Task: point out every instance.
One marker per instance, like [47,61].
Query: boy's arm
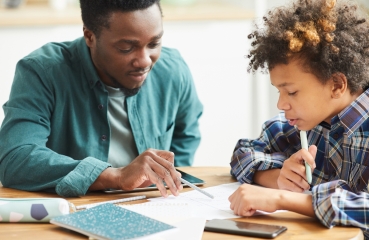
[253,159]
[333,203]
[336,204]
[249,198]
[267,178]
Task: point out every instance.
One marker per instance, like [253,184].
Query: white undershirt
[122,149]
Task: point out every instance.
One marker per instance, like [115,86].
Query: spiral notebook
[108,221]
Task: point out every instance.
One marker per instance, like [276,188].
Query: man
[91,114]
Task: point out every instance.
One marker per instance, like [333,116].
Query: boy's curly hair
[328,36]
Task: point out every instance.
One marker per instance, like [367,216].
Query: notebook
[108,221]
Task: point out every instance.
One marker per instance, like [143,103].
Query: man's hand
[292,176]
[151,167]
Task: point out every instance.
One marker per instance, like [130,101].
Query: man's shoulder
[54,53]
[171,57]
[167,52]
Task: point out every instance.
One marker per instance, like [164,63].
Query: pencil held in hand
[304,144]
[197,188]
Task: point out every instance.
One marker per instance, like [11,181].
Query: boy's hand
[292,176]
[248,198]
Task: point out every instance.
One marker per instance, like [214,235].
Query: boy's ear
[339,85]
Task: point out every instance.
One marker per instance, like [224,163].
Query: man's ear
[339,85]
[89,37]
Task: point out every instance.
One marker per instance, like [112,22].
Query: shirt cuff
[326,200]
[78,181]
[245,164]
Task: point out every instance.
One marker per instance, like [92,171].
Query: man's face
[304,99]
[125,53]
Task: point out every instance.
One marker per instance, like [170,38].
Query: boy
[317,53]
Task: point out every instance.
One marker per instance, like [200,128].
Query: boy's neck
[346,100]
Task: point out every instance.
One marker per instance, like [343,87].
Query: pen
[304,144]
[197,188]
[111,201]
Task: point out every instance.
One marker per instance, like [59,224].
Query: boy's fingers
[313,150]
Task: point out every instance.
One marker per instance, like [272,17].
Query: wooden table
[299,226]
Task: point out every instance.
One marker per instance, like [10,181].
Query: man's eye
[292,93]
[124,50]
[154,45]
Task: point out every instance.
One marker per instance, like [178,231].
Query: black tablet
[186,176]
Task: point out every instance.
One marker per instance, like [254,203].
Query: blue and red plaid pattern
[340,179]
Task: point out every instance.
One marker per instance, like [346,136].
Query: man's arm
[186,135]
[25,161]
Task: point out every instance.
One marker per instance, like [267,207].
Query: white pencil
[197,188]
[304,145]
[111,201]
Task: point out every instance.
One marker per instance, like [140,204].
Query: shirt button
[335,136]
[99,84]
[100,106]
[103,137]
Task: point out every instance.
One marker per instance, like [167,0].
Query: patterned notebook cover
[108,221]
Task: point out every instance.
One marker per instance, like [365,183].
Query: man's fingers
[167,155]
[158,181]
[167,172]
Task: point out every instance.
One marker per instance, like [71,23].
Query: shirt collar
[86,62]
[353,116]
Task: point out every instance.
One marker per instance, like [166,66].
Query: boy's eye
[292,93]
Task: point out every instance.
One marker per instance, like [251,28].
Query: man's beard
[130,92]
[126,91]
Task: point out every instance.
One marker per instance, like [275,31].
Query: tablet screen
[186,176]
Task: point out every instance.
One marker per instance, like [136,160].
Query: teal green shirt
[55,134]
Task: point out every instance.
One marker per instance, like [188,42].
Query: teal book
[108,221]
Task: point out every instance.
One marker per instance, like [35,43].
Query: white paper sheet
[191,204]
[187,229]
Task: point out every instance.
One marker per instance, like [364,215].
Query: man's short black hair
[96,13]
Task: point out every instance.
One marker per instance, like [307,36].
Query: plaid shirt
[340,180]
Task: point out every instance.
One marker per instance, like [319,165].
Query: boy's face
[304,99]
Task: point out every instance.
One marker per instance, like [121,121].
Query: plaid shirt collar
[353,116]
